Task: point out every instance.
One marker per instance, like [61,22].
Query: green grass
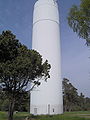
[18,116]
[81,115]
[3,116]
[21,115]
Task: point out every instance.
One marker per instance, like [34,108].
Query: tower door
[49,109]
[35,111]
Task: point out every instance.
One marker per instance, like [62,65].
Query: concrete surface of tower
[47,98]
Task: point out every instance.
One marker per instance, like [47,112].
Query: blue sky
[16,15]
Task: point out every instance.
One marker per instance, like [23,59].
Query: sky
[17,16]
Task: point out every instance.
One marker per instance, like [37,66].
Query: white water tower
[47,98]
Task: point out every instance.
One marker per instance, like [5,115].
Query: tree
[70,95]
[23,103]
[72,100]
[82,101]
[19,66]
[79,20]
[87,103]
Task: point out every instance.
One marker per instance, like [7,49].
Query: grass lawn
[18,116]
[81,115]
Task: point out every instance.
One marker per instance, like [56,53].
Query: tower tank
[47,98]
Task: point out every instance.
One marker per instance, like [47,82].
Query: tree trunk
[11,110]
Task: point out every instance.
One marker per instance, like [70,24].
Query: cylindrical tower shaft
[47,98]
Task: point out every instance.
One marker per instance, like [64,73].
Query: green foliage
[71,100]
[23,103]
[79,20]
[70,95]
[8,46]
[19,66]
